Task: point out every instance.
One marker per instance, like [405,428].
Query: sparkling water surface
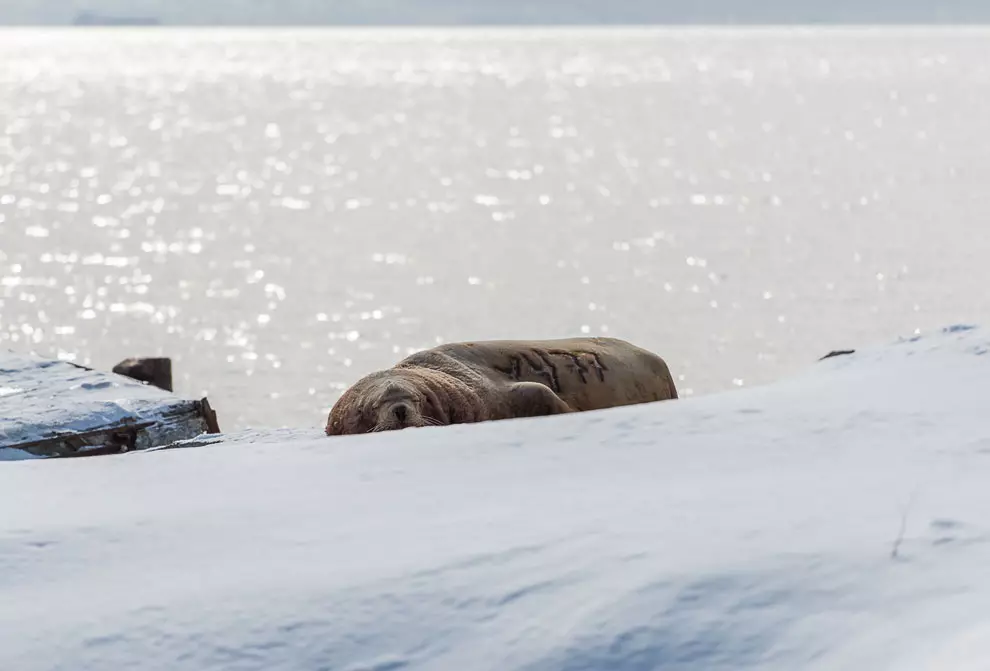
[283,211]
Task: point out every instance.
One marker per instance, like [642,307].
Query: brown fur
[468,382]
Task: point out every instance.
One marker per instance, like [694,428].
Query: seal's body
[502,379]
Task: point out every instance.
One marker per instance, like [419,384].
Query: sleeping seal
[483,381]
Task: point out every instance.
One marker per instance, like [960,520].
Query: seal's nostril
[400,413]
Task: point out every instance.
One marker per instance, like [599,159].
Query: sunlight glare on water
[284,211]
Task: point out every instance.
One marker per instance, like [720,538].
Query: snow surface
[837,520]
[13,454]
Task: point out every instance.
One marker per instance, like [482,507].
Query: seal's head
[383,401]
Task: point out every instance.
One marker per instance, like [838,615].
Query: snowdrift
[837,520]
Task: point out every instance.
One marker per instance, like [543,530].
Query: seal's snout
[399,415]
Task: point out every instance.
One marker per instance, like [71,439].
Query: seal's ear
[434,408]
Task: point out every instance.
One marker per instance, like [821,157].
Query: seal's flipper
[532,399]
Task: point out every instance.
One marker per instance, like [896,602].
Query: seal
[460,383]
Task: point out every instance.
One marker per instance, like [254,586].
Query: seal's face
[379,402]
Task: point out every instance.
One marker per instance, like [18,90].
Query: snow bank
[837,520]
[13,454]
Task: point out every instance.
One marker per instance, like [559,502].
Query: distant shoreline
[508,26]
[85,19]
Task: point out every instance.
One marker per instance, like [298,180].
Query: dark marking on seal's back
[600,366]
[582,370]
[581,361]
[579,366]
[540,363]
[514,369]
[552,369]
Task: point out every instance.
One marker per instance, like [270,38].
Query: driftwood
[58,409]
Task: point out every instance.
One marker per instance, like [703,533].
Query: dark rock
[156,371]
[840,352]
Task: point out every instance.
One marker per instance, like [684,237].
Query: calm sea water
[284,211]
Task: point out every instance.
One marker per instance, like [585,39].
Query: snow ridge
[754,529]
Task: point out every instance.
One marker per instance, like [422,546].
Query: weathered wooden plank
[59,409]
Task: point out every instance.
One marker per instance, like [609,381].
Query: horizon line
[556,24]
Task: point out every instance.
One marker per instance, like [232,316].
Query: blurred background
[282,210]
